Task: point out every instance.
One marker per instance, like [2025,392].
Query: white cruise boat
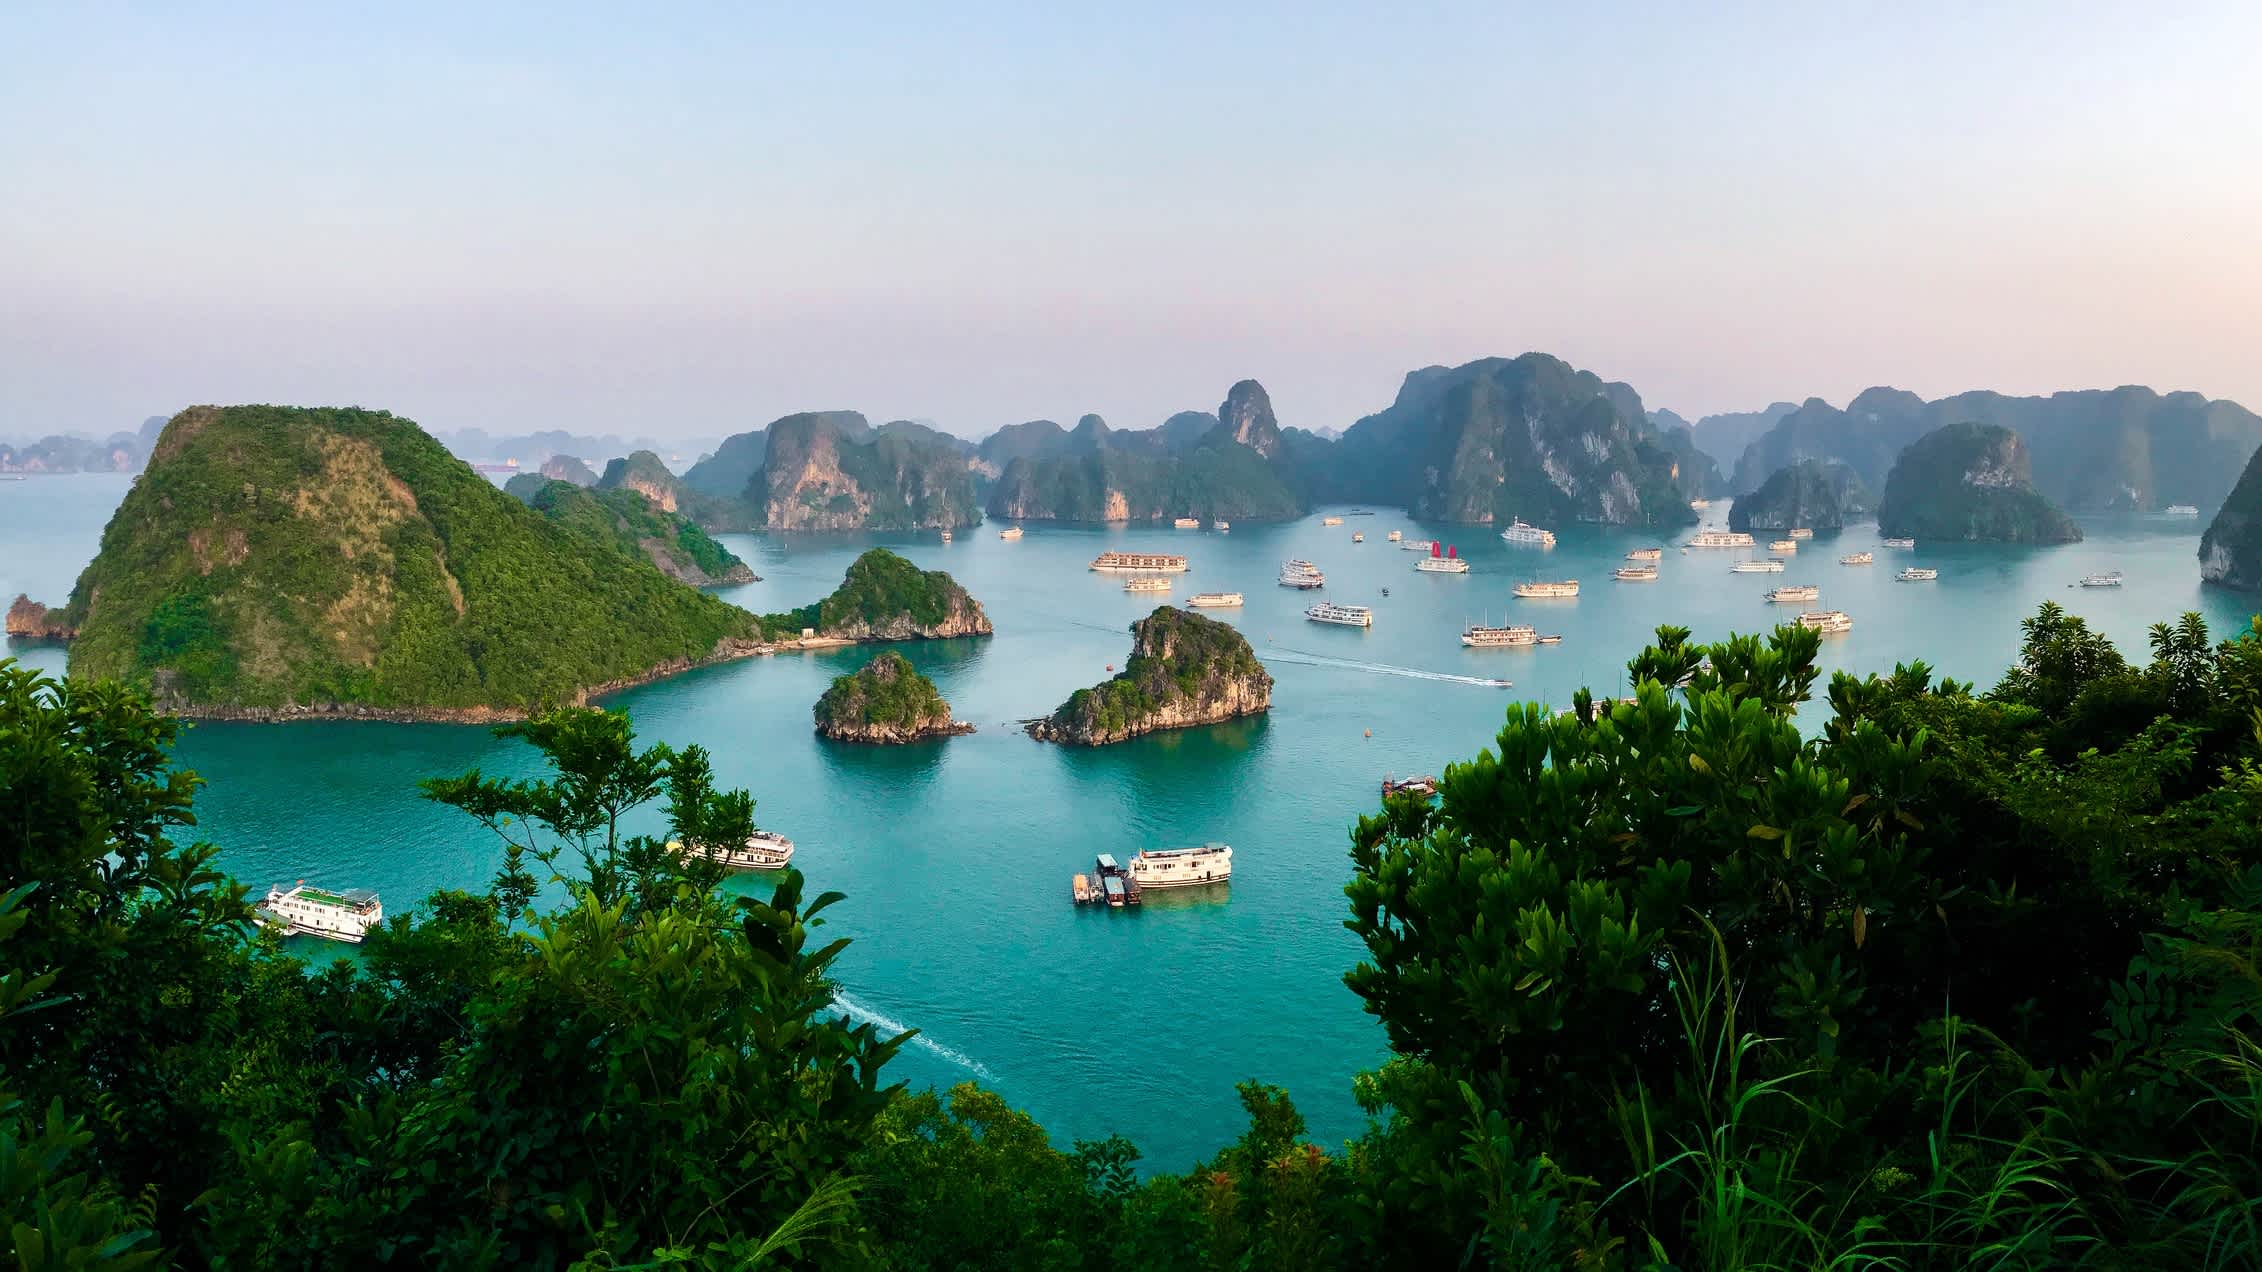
[1010,532]
[1215,600]
[763,850]
[946,536]
[1858,558]
[2179,510]
[1917,574]
[1187,523]
[1636,574]
[1146,583]
[1721,539]
[1537,591]
[1138,563]
[1342,615]
[1646,554]
[1301,574]
[1783,545]
[1358,537]
[1897,543]
[1182,867]
[1417,545]
[1445,562]
[2102,580]
[1397,535]
[1794,592]
[1223,526]
[1529,535]
[1827,620]
[1331,521]
[338,916]
[1480,636]
[1756,567]
[1802,533]
[1700,504]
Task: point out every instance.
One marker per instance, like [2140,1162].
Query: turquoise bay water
[956,855]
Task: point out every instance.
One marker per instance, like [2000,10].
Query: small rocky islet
[1184,670]
[885,701]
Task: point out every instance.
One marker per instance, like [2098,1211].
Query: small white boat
[1756,567]
[1802,533]
[1214,600]
[946,536]
[1010,532]
[1301,574]
[1542,591]
[1700,504]
[1646,554]
[763,850]
[2179,510]
[1187,523]
[1481,636]
[1637,574]
[2102,580]
[1341,615]
[1896,543]
[1917,574]
[1417,545]
[1794,592]
[1331,521]
[1182,867]
[338,916]
[1147,583]
[1827,621]
[1783,545]
[1721,539]
[1357,537]
[1858,558]
[1396,535]
[1223,526]
[1528,535]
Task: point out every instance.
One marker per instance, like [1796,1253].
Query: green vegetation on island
[635,525]
[886,700]
[1213,467]
[1954,979]
[1813,494]
[278,560]
[885,597]
[2230,552]
[1969,483]
[1184,670]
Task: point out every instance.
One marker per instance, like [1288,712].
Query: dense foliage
[882,593]
[630,523]
[1946,979]
[277,555]
[886,692]
[1811,494]
[1181,664]
[1969,482]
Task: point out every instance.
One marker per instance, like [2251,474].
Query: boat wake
[1277,653]
[887,1024]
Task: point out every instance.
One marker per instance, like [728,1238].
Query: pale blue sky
[554,215]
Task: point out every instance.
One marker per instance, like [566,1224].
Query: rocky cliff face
[2230,553]
[1526,437]
[643,473]
[884,597]
[887,702]
[2097,450]
[1969,483]
[570,468]
[1184,670]
[1810,493]
[1246,417]
[30,620]
[814,477]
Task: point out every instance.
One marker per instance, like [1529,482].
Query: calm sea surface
[956,855]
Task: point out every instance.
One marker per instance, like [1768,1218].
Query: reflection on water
[1205,896]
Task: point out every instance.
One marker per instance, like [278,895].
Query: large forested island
[1812,493]
[276,561]
[1184,670]
[1969,483]
[887,701]
[2230,553]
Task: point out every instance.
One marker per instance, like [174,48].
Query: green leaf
[1764,831]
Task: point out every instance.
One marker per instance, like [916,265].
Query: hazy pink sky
[552,217]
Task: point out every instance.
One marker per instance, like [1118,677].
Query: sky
[686,220]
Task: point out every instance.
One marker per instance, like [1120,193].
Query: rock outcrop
[1812,493]
[570,468]
[815,476]
[888,702]
[643,473]
[1246,417]
[30,620]
[1184,670]
[1195,465]
[2230,553]
[1969,483]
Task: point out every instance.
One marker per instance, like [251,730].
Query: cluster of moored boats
[1117,886]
